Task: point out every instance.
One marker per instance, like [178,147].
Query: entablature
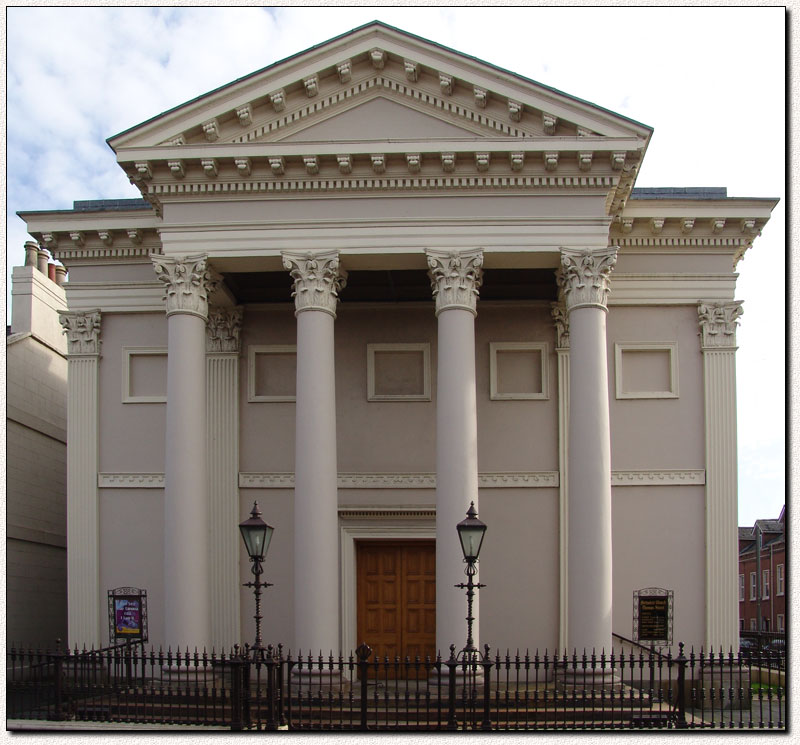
[700,225]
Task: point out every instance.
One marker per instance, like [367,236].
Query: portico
[339,297]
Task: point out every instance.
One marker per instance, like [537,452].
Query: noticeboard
[127,615]
[652,616]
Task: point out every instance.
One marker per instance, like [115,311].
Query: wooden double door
[397,597]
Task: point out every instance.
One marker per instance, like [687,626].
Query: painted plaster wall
[516,435]
[132,551]
[131,434]
[519,564]
[658,433]
[658,541]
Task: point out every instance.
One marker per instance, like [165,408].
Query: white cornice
[507,480]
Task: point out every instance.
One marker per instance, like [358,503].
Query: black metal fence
[269,690]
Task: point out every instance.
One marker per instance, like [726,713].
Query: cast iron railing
[266,689]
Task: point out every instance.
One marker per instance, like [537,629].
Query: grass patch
[766,690]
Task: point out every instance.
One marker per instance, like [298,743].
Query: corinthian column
[455,279]
[222,457]
[718,323]
[83,557]
[317,282]
[187,614]
[584,278]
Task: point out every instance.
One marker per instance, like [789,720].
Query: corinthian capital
[718,322]
[456,277]
[561,320]
[188,280]
[317,280]
[223,329]
[584,276]
[82,330]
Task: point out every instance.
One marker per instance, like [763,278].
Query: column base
[318,681]
[598,679]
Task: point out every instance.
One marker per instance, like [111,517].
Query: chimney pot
[43,259]
[31,253]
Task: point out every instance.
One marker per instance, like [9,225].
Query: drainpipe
[772,588]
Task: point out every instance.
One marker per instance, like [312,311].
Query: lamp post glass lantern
[470,533]
[256,535]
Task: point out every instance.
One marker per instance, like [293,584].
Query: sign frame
[131,603]
[659,616]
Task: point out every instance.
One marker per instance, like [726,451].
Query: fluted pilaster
[561,322]
[718,344]
[222,457]
[83,540]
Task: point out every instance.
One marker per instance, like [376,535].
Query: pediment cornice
[374,57]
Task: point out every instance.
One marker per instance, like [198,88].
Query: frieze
[508,480]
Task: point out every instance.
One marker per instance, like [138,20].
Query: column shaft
[589,469]
[186,537]
[316,546]
[456,470]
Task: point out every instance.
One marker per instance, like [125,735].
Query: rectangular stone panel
[272,373]
[646,370]
[398,372]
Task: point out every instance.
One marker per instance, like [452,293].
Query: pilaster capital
[83,332]
[718,322]
[584,276]
[561,320]
[188,280]
[223,329]
[317,279]
[456,277]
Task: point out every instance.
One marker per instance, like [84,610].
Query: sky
[710,81]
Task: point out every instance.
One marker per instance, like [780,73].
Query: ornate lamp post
[256,535]
[470,533]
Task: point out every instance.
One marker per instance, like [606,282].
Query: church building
[364,287]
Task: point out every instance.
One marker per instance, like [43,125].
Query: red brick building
[762,579]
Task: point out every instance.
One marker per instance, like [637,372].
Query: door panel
[397,598]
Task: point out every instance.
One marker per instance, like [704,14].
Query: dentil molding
[718,323]
[82,330]
[188,283]
[223,330]
[317,279]
[584,276]
[456,277]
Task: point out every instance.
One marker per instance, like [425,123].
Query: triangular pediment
[380,119]
[327,92]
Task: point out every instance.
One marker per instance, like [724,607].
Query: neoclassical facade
[364,287]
